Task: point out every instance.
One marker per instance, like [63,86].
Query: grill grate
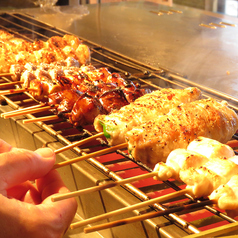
[119,165]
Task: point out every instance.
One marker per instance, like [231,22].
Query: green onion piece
[106,134]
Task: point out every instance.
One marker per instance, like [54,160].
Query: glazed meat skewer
[79,97]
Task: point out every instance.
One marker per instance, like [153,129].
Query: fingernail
[45,152]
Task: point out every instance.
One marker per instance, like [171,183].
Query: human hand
[26,209]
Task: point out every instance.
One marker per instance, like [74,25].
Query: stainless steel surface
[175,41]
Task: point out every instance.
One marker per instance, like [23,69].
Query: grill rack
[154,78]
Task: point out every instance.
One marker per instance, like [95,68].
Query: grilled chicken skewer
[152,142]
[226,196]
[205,166]
[197,153]
[181,125]
[173,95]
[18,51]
[65,75]
[66,67]
[48,78]
[218,161]
[81,96]
[215,177]
[143,109]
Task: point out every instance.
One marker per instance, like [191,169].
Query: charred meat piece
[85,109]
[113,100]
[64,100]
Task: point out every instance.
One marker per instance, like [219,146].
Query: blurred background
[228,7]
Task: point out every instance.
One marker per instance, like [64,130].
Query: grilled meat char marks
[64,100]
[153,141]
[85,109]
[89,101]
[113,100]
[94,92]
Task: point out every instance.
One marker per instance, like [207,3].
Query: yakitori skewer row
[19,51]
[80,93]
[200,117]
[219,110]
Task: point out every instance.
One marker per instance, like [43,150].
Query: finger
[19,190]
[50,219]
[19,165]
[51,184]
[32,196]
[25,192]
[4,146]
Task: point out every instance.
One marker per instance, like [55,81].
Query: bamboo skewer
[103,186]
[78,143]
[127,209]
[10,84]
[23,109]
[146,216]
[40,108]
[6,74]
[14,91]
[91,155]
[38,119]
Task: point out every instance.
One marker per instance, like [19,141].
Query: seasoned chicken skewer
[198,152]
[219,161]
[18,51]
[204,180]
[152,142]
[143,109]
[203,166]
[226,196]
[69,66]
[50,78]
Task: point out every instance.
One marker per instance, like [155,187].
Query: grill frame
[42,134]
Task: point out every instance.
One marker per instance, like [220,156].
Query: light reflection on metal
[208,26]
